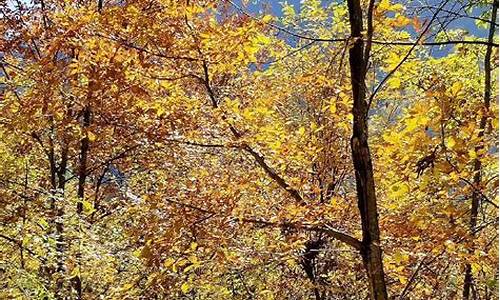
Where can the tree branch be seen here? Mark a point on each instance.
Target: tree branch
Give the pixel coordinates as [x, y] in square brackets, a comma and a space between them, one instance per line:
[259, 158]
[417, 42]
[343, 39]
[340, 236]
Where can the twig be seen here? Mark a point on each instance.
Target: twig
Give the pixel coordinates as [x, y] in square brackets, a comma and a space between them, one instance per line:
[381, 84]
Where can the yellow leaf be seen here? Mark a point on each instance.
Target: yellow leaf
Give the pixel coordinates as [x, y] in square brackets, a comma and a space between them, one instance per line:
[276, 145]
[384, 5]
[397, 7]
[262, 39]
[398, 190]
[456, 88]
[333, 108]
[267, 18]
[291, 262]
[165, 84]
[160, 111]
[193, 259]
[137, 252]
[194, 246]
[411, 124]
[472, 154]
[450, 142]
[450, 246]
[394, 82]
[185, 287]
[401, 257]
[168, 262]
[250, 49]
[454, 176]
[182, 262]
[494, 123]
[402, 279]
[248, 114]
[127, 286]
[288, 10]
[476, 268]
[392, 61]
[88, 207]
[401, 21]
[91, 136]
[43, 223]
[189, 268]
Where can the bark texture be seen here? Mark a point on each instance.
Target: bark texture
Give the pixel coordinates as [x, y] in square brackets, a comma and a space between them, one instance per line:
[365, 185]
[468, 291]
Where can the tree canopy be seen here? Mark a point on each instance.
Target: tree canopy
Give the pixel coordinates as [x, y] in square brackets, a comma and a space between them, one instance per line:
[202, 149]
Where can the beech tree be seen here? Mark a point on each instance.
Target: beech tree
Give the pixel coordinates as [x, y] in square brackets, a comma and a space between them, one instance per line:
[208, 149]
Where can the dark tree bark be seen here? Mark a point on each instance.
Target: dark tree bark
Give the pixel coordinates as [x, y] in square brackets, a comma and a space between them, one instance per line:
[308, 262]
[476, 194]
[82, 170]
[365, 185]
[82, 176]
[58, 211]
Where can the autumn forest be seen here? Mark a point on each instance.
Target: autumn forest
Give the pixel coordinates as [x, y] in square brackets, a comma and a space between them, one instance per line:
[249, 149]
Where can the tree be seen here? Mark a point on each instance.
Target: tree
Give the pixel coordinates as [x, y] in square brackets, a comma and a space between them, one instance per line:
[365, 183]
[213, 150]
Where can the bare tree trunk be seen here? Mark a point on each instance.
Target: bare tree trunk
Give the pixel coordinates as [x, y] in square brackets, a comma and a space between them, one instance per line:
[58, 210]
[365, 185]
[476, 194]
[82, 171]
[308, 262]
[82, 176]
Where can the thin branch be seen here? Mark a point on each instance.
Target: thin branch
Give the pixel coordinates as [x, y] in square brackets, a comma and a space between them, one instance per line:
[442, 43]
[169, 200]
[345, 238]
[129, 45]
[369, 33]
[8, 78]
[106, 162]
[190, 143]
[20, 245]
[291, 53]
[343, 39]
[411, 280]
[381, 84]
[271, 173]
[259, 158]
[464, 16]
[272, 25]
[477, 190]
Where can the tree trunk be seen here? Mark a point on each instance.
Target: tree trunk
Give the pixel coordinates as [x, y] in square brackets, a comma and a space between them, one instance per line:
[476, 195]
[58, 207]
[365, 185]
[82, 171]
[82, 176]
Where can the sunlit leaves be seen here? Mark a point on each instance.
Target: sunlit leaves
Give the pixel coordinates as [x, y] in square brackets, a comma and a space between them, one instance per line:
[185, 95]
